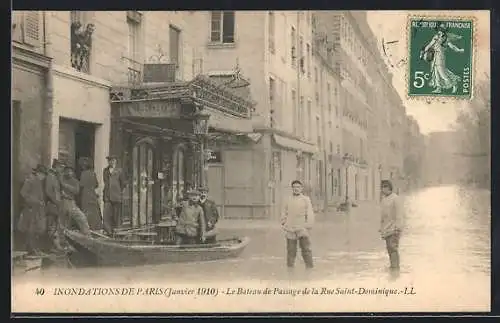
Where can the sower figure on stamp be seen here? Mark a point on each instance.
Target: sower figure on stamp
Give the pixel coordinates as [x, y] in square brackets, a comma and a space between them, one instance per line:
[32, 223]
[297, 221]
[391, 223]
[435, 52]
[70, 190]
[191, 221]
[211, 215]
[54, 207]
[114, 183]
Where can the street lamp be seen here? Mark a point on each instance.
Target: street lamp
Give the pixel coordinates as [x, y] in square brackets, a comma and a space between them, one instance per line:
[346, 159]
[200, 125]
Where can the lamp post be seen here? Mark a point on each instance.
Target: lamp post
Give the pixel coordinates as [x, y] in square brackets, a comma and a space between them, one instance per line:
[201, 131]
[346, 161]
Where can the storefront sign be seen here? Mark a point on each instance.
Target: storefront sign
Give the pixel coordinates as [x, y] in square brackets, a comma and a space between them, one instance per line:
[151, 109]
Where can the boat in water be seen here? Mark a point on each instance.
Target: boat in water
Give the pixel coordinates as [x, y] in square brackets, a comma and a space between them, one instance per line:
[132, 251]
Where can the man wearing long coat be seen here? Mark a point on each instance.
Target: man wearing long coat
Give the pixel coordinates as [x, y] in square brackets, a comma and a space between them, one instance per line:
[114, 183]
[32, 222]
[54, 207]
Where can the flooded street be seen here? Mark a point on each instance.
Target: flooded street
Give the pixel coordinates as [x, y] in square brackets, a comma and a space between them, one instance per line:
[445, 254]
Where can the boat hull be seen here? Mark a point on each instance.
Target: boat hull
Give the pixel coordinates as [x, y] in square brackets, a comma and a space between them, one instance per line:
[109, 252]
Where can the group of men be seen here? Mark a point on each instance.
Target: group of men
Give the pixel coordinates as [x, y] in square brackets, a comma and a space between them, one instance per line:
[49, 207]
[196, 218]
[298, 218]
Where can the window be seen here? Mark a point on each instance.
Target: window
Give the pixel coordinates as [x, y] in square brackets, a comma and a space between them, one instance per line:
[300, 52]
[329, 97]
[175, 45]
[315, 75]
[222, 27]
[338, 149]
[318, 131]
[27, 27]
[134, 47]
[293, 42]
[271, 31]
[309, 119]
[81, 37]
[294, 107]
[272, 94]
[308, 62]
[301, 116]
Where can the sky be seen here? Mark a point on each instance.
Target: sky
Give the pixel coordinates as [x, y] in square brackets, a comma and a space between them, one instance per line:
[391, 26]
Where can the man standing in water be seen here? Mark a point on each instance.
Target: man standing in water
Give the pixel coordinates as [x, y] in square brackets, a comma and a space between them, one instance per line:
[297, 221]
[391, 223]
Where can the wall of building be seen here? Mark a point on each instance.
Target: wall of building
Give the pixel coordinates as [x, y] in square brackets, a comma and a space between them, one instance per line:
[81, 97]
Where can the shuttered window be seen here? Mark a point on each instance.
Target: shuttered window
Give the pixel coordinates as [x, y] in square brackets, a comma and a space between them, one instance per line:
[32, 28]
[222, 26]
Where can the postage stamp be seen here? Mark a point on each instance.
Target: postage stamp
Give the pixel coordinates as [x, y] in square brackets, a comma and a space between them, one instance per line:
[440, 56]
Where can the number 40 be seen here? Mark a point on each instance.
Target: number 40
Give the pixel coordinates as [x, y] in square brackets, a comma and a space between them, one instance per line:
[420, 78]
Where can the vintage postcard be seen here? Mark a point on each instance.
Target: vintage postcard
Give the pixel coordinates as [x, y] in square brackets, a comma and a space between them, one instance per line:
[250, 161]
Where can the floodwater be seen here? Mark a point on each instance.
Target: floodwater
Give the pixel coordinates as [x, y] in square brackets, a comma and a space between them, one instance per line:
[445, 258]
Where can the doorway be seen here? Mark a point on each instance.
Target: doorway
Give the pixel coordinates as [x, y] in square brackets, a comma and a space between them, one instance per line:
[143, 180]
[84, 143]
[76, 140]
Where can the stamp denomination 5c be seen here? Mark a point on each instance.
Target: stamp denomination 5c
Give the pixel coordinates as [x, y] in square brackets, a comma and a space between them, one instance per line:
[440, 57]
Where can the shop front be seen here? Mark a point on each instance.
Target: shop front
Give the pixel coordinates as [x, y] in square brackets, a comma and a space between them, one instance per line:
[160, 133]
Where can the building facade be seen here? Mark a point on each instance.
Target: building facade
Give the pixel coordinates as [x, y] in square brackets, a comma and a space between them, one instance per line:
[274, 52]
[98, 53]
[289, 94]
[31, 98]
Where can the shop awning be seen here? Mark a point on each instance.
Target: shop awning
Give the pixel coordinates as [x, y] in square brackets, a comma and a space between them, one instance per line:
[294, 144]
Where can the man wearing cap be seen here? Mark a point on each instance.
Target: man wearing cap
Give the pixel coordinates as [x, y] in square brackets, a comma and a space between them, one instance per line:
[391, 223]
[114, 183]
[297, 221]
[32, 223]
[54, 203]
[211, 215]
[70, 189]
[191, 220]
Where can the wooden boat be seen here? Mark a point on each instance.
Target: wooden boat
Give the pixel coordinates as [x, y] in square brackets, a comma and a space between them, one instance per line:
[104, 251]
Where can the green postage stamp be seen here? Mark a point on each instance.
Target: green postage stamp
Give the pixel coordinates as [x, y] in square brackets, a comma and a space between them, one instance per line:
[440, 57]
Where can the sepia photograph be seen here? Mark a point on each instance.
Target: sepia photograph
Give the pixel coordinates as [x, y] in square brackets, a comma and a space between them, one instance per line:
[250, 161]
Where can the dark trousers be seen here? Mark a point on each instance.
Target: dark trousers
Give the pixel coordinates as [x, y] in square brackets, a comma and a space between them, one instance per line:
[305, 247]
[392, 244]
[111, 218]
[185, 239]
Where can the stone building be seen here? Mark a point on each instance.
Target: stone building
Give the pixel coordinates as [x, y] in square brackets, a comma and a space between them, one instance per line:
[31, 98]
[102, 58]
[274, 52]
[352, 52]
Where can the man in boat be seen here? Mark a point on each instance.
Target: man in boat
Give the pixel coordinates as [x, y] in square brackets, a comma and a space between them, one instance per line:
[114, 183]
[297, 221]
[211, 215]
[54, 206]
[70, 189]
[191, 220]
[32, 222]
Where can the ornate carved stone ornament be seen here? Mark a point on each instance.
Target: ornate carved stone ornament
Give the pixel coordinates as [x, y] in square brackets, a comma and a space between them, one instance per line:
[81, 45]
